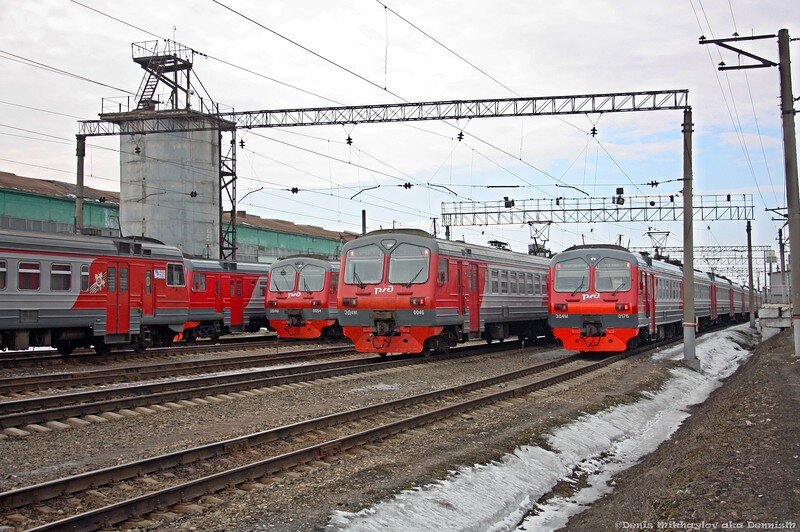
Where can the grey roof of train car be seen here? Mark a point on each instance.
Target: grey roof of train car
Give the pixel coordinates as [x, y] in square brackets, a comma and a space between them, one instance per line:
[450, 247]
[82, 244]
[327, 264]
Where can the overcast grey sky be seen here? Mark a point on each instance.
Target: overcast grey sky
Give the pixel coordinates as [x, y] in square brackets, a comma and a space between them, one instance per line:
[532, 48]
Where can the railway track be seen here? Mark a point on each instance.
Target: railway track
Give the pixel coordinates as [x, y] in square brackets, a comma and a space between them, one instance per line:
[34, 414]
[21, 359]
[119, 493]
[65, 380]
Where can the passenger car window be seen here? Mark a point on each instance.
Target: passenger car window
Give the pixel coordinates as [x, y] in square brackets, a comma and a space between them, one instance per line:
[281, 279]
[614, 275]
[2, 275]
[60, 277]
[175, 275]
[363, 265]
[409, 264]
[28, 277]
[312, 278]
[84, 278]
[198, 282]
[572, 275]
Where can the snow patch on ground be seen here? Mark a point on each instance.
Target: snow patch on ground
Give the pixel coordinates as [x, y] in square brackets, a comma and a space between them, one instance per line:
[499, 495]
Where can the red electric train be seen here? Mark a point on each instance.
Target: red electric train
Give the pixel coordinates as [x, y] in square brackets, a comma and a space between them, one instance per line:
[606, 298]
[71, 291]
[224, 297]
[403, 291]
[301, 300]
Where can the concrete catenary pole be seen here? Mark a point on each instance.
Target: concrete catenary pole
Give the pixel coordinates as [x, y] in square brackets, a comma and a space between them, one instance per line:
[784, 284]
[750, 275]
[792, 197]
[80, 152]
[689, 357]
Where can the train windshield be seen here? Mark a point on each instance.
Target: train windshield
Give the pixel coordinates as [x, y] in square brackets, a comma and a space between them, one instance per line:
[312, 278]
[572, 276]
[281, 279]
[409, 264]
[612, 275]
[364, 265]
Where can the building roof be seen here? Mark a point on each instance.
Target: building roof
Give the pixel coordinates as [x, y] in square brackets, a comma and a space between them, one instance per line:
[60, 189]
[48, 187]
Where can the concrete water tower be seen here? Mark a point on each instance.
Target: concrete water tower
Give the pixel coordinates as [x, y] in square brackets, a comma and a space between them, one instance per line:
[173, 185]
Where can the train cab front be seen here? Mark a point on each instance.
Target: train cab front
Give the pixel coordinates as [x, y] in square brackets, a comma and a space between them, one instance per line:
[301, 300]
[386, 294]
[593, 299]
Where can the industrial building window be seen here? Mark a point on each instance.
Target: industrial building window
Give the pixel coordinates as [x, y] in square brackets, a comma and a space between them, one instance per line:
[28, 276]
[2, 275]
[84, 277]
[175, 275]
[198, 282]
[60, 277]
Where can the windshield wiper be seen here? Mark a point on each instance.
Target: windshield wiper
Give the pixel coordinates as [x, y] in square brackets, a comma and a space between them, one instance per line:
[621, 284]
[579, 286]
[408, 284]
[357, 277]
[305, 285]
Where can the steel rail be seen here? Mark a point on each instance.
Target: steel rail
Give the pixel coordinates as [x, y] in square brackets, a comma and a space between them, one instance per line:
[14, 359]
[156, 370]
[50, 408]
[93, 479]
[121, 511]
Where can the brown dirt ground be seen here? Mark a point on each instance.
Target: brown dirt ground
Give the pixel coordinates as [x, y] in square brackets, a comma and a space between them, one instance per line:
[737, 458]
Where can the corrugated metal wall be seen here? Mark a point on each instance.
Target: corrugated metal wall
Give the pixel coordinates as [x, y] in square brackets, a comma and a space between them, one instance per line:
[34, 212]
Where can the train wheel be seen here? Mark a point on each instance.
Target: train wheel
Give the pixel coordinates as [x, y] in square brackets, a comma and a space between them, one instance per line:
[215, 337]
[65, 349]
[488, 341]
[102, 349]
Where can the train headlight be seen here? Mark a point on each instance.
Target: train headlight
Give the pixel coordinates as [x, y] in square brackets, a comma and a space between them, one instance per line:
[272, 303]
[349, 301]
[315, 303]
[417, 301]
[623, 307]
[560, 307]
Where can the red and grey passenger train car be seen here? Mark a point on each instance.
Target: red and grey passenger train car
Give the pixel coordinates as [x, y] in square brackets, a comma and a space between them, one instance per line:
[403, 291]
[605, 298]
[301, 300]
[71, 291]
[224, 297]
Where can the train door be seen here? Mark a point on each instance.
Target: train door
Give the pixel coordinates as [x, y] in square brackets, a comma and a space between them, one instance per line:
[473, 300]
[218, 306]
[118, 304]
[731, 310]
[147, 293]
[712, 291]
[461, 295]
[652, 301]
[237, 303]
